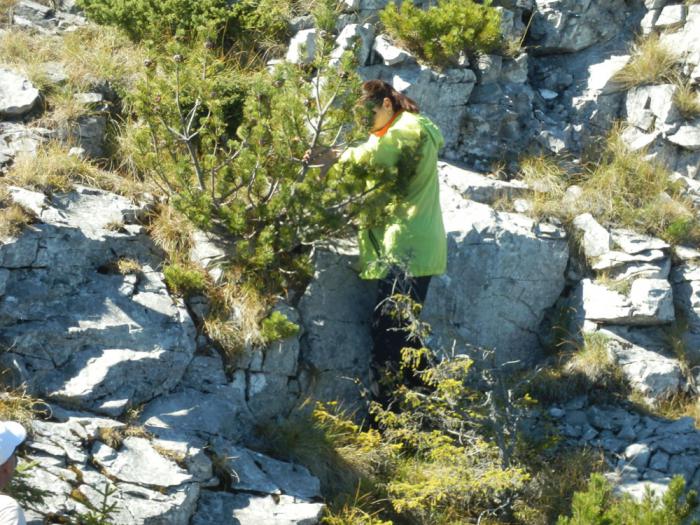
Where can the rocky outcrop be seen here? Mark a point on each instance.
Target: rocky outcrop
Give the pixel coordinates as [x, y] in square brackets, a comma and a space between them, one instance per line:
[17, 95]
[151, 480]
[79, 330]
[504, 271]
[643, 451]
[336, 314]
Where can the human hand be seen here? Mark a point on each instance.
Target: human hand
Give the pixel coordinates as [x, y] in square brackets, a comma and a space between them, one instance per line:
[320, 156]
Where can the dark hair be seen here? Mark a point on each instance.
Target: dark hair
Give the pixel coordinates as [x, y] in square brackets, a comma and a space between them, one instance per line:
[378, 90]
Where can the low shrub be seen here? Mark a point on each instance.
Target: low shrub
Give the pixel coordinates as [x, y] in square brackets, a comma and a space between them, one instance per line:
[246, 24]
[161, 19]
[598, 506]
[276, 327]
[440, 33]
[184, 281]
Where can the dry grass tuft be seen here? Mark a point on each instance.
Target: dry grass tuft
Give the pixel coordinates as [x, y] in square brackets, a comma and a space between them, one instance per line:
[621, 286]
[234, 319]
[586, 370]
[619, 188]
[6, 8]
[13, 217]
[687, 100]
[53, 170]
[652, 63]
[593, 360]
[114, 436]
[89, 56]
[17, 405]
[172, 232]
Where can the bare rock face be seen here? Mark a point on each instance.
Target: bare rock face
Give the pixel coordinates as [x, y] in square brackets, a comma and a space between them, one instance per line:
[503, 271]
[336, 312]
[573, 25]
[78, 330]
[17, 95]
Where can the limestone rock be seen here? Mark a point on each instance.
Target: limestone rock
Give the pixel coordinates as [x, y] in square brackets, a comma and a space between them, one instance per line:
[216, 508]
[210, 251]
[687, 136]
[571, 25]
[80, 331]
[352, 33]
[650, 302]
[595, 239]
[138, 462]
[503, 272]
[221, 412]
[644, 364]
[389, 53]
[652, 107]
[601, 76]
[255, 472]
[671, 15]
[302, 47]
[683, 41]
[17, 139]
[479, 188]
[17, 95]
[336, 312]
[686, 292]
[632, 242]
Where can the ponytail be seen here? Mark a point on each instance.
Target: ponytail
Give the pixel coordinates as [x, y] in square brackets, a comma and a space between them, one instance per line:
[378, 90]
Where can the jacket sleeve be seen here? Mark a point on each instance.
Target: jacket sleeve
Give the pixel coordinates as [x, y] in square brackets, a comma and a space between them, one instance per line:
[383, 152]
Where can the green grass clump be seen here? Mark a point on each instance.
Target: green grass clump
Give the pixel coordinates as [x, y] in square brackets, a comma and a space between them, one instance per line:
[185, 281]
[276, 327]
[598, 506]
[652, 62]
[438, 34]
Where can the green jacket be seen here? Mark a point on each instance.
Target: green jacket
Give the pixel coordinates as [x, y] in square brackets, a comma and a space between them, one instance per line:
[413, 236]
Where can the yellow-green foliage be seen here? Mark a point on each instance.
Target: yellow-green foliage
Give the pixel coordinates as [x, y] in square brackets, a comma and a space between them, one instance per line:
[184, 280]
[652, 62]
[441, 32]
[598, 506]
[431, 457]
[276, 326]
[449, 483]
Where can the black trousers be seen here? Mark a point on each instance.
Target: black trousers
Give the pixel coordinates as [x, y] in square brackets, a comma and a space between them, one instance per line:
[388, 332]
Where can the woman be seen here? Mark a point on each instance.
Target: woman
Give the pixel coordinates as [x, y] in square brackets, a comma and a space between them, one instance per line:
[410, 245]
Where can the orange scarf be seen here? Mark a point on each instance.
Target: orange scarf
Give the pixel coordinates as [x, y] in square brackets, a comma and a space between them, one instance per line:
[382, 132]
